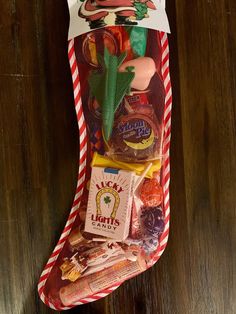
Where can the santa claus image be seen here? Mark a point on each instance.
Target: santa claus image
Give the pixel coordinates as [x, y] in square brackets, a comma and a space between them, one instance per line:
[127, 12]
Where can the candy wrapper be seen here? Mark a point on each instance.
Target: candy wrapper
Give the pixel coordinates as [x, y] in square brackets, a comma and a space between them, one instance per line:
[119, 222]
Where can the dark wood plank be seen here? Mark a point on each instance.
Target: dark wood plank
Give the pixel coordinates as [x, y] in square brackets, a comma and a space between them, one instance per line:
[39, 152]
[206, 45]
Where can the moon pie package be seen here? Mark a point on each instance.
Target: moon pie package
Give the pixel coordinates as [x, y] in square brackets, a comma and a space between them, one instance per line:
[119, 222]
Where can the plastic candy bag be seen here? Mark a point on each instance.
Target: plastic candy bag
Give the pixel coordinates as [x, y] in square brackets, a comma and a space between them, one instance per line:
[119, 223]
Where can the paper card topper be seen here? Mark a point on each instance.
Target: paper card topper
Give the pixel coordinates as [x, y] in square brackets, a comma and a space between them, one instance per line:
[163, 3]
[86, 15]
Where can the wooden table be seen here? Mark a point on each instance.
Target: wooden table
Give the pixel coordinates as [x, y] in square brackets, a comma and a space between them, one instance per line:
[39, 153]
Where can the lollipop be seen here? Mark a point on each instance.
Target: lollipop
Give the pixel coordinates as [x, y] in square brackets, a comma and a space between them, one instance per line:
[152, 221]
[151, 193]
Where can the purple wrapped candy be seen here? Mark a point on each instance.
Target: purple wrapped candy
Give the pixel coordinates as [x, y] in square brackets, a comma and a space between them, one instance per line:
[152, 221]
[150, 245]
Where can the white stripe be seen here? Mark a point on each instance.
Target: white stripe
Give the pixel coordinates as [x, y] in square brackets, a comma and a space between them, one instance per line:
[43, 297]
[78, 195]
[167, 226]
[46, 271]
[83, 150]
[166, 189]
[167, 170]
[84, 130]
[78, 106]
[167, 139]
[58, 247]
[52, 259]
[71, 44]
[83, 134]
[164, 36]
[51, 306]
[76, 206]
[65, 308]
[164, 54]
[73, 209]
[89, 299]
[83, 164]
[83, 177]
[75, 74]
[168, 100]
[160, 253]
[69, 221]
[72, 60]
[114, 287]
[101, 295]
[81, 121]
[76, 93]
[41, 284]
[82, 137]
[167, 81]
[80, 181]
[167, 211]
[167, 111]
[166, 186]
[167, 198]
[164, 241]
[78, 303]
[65, 234]
[167, 128]
[163, 40]
[164, 67]
[168, 96]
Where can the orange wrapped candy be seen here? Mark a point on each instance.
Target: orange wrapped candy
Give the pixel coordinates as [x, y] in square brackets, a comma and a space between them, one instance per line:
[151, 193]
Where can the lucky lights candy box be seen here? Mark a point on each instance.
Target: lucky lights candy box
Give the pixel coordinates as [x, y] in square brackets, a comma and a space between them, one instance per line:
[119, 222]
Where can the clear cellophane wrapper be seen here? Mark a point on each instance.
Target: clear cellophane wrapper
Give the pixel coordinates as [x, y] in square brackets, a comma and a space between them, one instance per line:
[90, 262]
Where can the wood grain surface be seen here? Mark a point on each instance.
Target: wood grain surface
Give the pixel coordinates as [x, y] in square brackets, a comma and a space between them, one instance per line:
[39, 153]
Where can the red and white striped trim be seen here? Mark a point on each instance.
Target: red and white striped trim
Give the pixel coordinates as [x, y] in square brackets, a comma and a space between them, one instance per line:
[82, 171]
[166, 144]
[80, 182]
